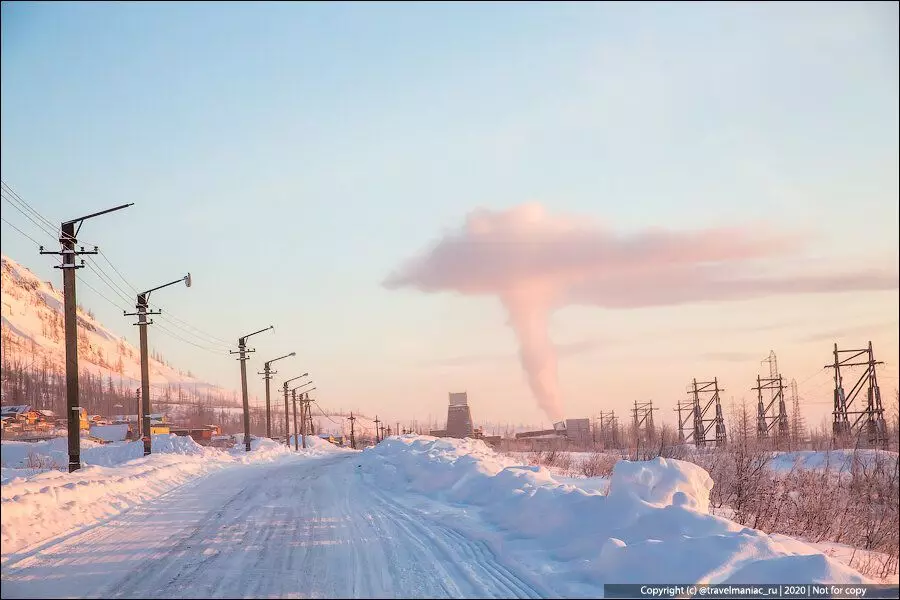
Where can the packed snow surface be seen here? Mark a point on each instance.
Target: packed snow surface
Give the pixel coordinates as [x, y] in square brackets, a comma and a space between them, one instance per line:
[414, 516]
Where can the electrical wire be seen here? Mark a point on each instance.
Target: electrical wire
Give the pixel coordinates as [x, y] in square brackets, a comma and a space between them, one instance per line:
[50, 233]
[96, 291]
[20, 231]
[27, 206]
[324, 414]
[106, 258]
[172, 334]
[107, 280]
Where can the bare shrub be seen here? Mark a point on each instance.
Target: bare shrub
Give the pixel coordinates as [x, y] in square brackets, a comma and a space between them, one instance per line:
[598, 464]
[39, 462]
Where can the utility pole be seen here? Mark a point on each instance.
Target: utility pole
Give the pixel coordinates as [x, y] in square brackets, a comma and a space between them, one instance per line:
[243, 352]
[376, 429]
[137, 413]
[143, 309]
[294, 399]
[302, 422]
[352, 420]
[302, 416]
[397, 431]
[67, 241]
[267, 373]
[287, 411]
[308, 412]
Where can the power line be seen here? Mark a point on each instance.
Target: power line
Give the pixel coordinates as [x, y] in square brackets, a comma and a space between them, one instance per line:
[324, 414]
[40, 226]
[108, 282]
[96, 291]
[106, 258]
[187, 328]
[186, 341]
[21, 200]
[20, 231]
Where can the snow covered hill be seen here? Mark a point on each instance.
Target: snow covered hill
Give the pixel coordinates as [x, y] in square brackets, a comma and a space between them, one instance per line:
[33, 334]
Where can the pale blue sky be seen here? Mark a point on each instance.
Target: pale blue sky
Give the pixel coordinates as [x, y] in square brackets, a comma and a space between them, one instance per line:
[291, 155]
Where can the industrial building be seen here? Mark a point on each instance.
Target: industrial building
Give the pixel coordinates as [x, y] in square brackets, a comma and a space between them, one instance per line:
[459, 418]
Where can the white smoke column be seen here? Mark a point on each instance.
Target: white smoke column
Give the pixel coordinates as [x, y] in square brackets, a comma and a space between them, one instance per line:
[536, 263]
[529, 312]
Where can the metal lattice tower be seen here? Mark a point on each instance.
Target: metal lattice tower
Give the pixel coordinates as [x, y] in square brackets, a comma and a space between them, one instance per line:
[607, 431]
[708, 427]
[855, 423]
[798, 426]
[771, 422]
[642, 414]
[685, 410]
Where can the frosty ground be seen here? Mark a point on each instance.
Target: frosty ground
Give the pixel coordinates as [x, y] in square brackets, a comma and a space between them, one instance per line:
[412, 517]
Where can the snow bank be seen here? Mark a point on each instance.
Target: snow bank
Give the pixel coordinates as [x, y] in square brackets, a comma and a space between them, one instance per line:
[651, 527]
[110, 433]
[316, 446]
[54, 453]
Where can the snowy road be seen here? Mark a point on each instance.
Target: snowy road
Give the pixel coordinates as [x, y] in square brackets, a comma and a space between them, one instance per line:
[297, 528]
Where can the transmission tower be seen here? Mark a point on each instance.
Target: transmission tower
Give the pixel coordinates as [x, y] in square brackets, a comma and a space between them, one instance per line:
[857, 424]
[607, 429]
[708, 428]
[798, 426]
[769, 423]
[685, 412]
[642, 415]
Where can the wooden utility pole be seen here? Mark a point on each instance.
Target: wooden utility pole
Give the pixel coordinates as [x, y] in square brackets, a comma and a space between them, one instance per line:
[296, 433]
[243, 351]
[267, 373]
[376, 429]
[137, 413]
[287, 417]
[143, 309]
[307, 417]
[67, 241]
[352, 420]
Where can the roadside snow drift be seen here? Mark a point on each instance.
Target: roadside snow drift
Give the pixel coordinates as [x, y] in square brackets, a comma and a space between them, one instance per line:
[652, 526]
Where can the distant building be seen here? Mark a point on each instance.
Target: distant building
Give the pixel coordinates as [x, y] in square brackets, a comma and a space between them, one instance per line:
[578, 431]
[459, 417]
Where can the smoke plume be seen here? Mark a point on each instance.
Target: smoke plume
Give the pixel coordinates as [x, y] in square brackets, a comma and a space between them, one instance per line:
[535, 263]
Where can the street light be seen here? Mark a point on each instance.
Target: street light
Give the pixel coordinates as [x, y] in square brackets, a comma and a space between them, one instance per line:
[243, 351]
[287, 411]
[143, 304]
[267, 375]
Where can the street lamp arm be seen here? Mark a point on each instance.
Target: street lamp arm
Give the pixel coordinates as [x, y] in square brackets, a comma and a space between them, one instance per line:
[302, 385]
[186, 279]
[260, 331]
[293, 378]
[280, 357]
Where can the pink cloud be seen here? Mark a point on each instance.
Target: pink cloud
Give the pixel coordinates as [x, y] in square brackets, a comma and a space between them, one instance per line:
[534, 262]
